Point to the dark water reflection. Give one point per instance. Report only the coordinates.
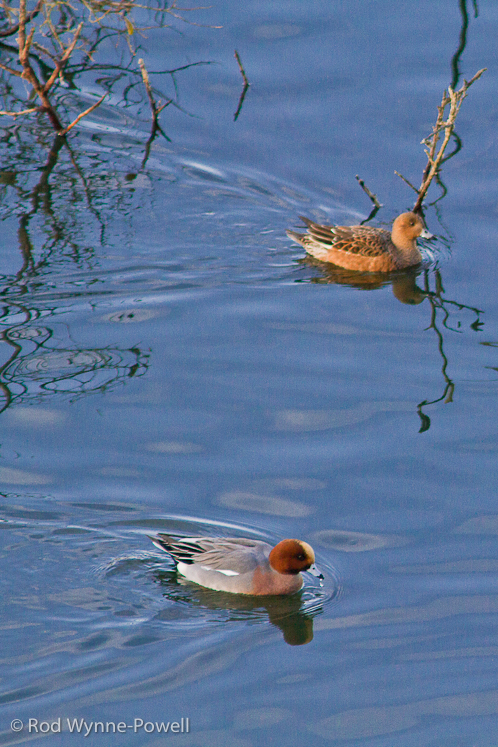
(287, 614)
(169, 363)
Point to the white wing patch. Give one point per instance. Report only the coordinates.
(217, 570)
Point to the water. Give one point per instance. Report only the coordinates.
(170, 364)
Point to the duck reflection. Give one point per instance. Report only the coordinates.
(287, 613)
(403, 283)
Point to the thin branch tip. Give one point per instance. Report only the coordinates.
(370, 194)
(246, 85)
(241, 68)
(90, 109)
(406, 181)
(443, 130)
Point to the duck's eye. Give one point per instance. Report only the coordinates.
(301, 557)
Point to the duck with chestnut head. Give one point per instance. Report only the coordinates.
(241, 566)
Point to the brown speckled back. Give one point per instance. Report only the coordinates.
(364, 248)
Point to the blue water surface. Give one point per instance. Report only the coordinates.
(170, 363)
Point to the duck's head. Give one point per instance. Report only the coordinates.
(292, 556)
(408, 227)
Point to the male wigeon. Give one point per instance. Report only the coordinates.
(241, 566)
(365, 248)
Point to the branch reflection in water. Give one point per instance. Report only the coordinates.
(42, 359)
(58, 43)
(39, 365)
(405, 289)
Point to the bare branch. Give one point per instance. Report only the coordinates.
(242, 71)
(406, 181)
(21, 40)
(434, 154)
(29, 17)
(60, 64)
(80, 116)
(11, 70)
(244, 90)
(367, 192)
(46, 46)
(156, 109)
(18, 114)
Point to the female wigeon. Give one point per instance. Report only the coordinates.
(241, 566)
(365, 248)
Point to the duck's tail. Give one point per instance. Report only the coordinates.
(298, 237)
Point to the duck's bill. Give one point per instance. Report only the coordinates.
(315, 572)
(426, 235)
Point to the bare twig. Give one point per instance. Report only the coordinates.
(18, 114)
(156, 109)
(83, 114)
(59, 64)
(28, 73)
(40, 48)
(148, 145)
(367, 192)
(10, 70)
(434, 153)
(244, 90)
(29, 17)
(242, 71)
(406, 181)
(47, 46)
